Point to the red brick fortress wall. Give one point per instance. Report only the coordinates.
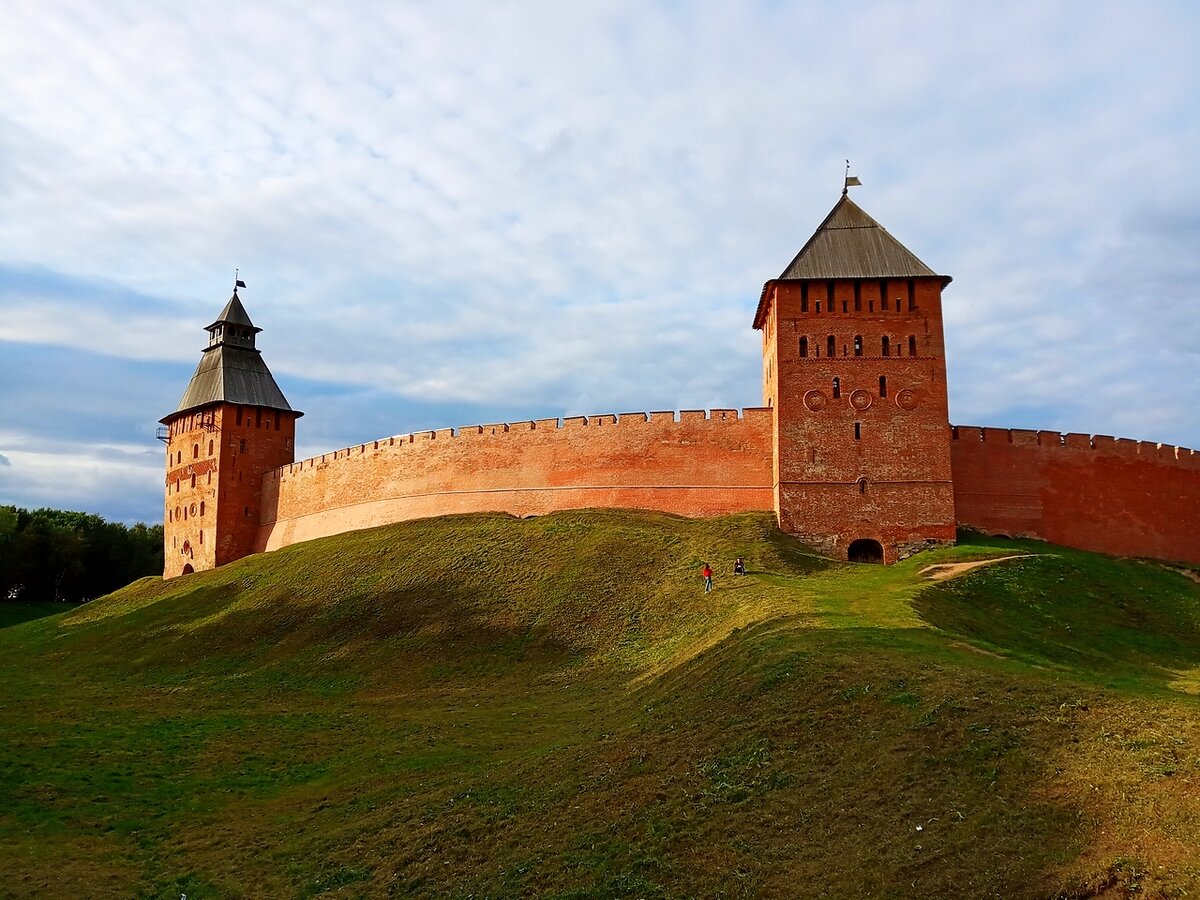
(696, 465)
(1097, 493)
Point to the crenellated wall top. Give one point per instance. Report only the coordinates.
(1101, 443)
(752, 415)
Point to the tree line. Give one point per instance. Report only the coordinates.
(53, 554)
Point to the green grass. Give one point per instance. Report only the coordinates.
(480, 706)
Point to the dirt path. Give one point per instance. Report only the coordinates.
(1186, 573)
(942, 571)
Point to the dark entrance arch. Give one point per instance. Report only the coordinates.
(865, 550)
(188, 570)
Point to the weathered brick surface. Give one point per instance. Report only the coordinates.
(888, 479)
(1111, 496)
(228, 449)
(700, 465)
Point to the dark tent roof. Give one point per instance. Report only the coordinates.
(231, 369)
(235, 314)
(232, 375)
(850, 244)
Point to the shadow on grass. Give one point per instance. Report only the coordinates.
(14, 612)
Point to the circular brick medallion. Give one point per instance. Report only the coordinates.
(814, 400)
(860, 400)
(906, 399)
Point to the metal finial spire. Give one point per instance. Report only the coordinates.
(851, 181)
(237, 282)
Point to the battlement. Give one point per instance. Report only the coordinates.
(1101, 443)
(754, 415)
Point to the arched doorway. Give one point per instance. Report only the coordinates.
(188, 570)
(865, 550)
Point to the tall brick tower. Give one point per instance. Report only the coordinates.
(232, 425)
(854, 367)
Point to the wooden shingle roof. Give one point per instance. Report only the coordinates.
(232, 370)
(850, 244)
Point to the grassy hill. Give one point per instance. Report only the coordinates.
(488, 707)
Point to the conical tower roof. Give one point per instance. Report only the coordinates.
(850, 244)
(232, 370)
(235, 314)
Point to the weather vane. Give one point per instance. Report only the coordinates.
(237, 282)
(851, 181)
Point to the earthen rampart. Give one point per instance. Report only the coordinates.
(692, 463)
(1096, 492)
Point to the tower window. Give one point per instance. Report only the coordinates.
(202, 507)
(803, 347)
(193, 479)
(858, 345)
(858, 296)
(886, 344)
(185, 514)
(858, 431)
(829, 294)
(818, 306)
(258, 418)
(195, 451)
(239, 415)
(830, 346)
(837, 388)
(883, 302)
(246, 512)
(241, 446)
(210, 448)
(804, 297)
(882, 385)
(912, 345)
(201, 536)
(862, 484)
(912, 295)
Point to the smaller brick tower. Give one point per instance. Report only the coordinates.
(231, 426)
(854, 367)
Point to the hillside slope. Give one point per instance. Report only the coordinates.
(480, 706)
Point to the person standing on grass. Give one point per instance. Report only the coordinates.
(707, 573)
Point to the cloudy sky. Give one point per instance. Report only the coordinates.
(474, 212)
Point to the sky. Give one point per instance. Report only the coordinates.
(453, 213)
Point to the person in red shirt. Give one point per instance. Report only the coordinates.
(707, 573)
